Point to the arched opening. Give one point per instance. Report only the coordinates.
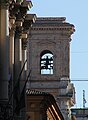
(46, 62)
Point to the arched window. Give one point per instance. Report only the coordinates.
(46, 62)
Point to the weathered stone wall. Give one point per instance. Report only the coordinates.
(52, 34)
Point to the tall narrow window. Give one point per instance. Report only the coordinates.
(46, 62)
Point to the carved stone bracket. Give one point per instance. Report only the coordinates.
(4, 4)
(24, 37)
(29, 20)
(12, 25)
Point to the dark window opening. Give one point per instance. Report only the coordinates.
(46, 62)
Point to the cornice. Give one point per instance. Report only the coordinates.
(19, 7)
(53, 23)
(52, 18)
(52, 28)
(68, 29)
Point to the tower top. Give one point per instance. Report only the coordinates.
(53, 23)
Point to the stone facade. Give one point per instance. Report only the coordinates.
(14, 30)
(52, 35)
(80, 113)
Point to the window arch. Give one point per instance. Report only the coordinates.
(46, 62)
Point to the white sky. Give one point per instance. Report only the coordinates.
(75, 12)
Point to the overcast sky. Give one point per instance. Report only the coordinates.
(75, 12)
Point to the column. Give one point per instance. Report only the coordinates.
(17, 51)
(12, 33)
(11, 56)
(24, 55)
(17, 66)
(4, 51)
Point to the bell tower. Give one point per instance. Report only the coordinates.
(49, 60)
